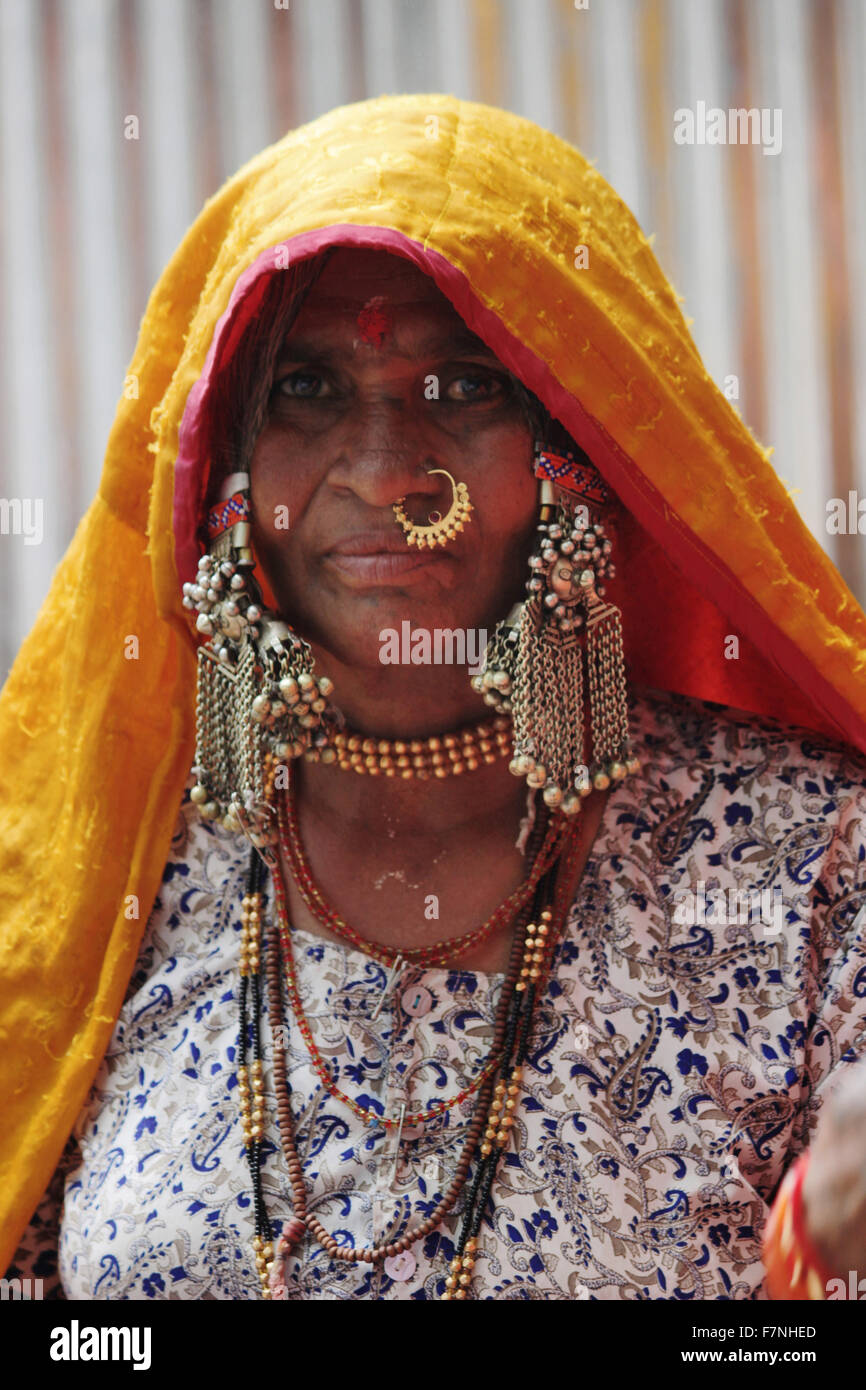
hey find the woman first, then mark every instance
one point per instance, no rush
(542, 1007)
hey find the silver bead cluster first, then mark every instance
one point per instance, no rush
(525, 763)
(226, 610)
(495, 682)
(570, 559)
(289, 709)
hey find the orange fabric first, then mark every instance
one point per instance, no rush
(795, 1270)
(98, 736)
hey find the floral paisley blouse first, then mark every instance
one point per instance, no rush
(710, 987)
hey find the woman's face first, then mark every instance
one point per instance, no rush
(378, 382)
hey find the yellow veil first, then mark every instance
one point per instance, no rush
(97, 731)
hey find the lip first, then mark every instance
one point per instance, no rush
(372, 543)
(377, 559)
(384, 569)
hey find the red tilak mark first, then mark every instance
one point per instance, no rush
(374, 322)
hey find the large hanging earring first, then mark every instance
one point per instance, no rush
(534, 664)
(441, 529)
(258, 701)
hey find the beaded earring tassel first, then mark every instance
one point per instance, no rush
(257, 694)
(534, 665)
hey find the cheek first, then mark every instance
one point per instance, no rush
(507, 493)
(279, 490)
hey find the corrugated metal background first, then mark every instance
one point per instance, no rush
(767, 250)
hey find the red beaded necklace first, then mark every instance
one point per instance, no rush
(369, 1117)
(441, 953)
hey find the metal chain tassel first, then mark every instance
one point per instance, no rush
(607, 688)
(547, 703)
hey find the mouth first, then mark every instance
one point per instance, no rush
(381, 559)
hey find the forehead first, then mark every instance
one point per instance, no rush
(351, 279)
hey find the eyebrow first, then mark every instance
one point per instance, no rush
(434, 344)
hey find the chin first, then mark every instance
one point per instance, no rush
(352, 628)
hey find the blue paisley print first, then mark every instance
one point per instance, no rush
(678, 1064)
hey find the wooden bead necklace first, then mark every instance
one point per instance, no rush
(441, 953)
(489, 1130)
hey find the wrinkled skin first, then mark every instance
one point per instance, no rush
(350, 432)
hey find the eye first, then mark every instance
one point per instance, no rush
(303, 385)
(475, 386)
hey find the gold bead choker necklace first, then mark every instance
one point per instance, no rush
(441, 755)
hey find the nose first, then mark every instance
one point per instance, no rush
(383, 455)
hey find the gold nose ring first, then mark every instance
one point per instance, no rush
(441, 529)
